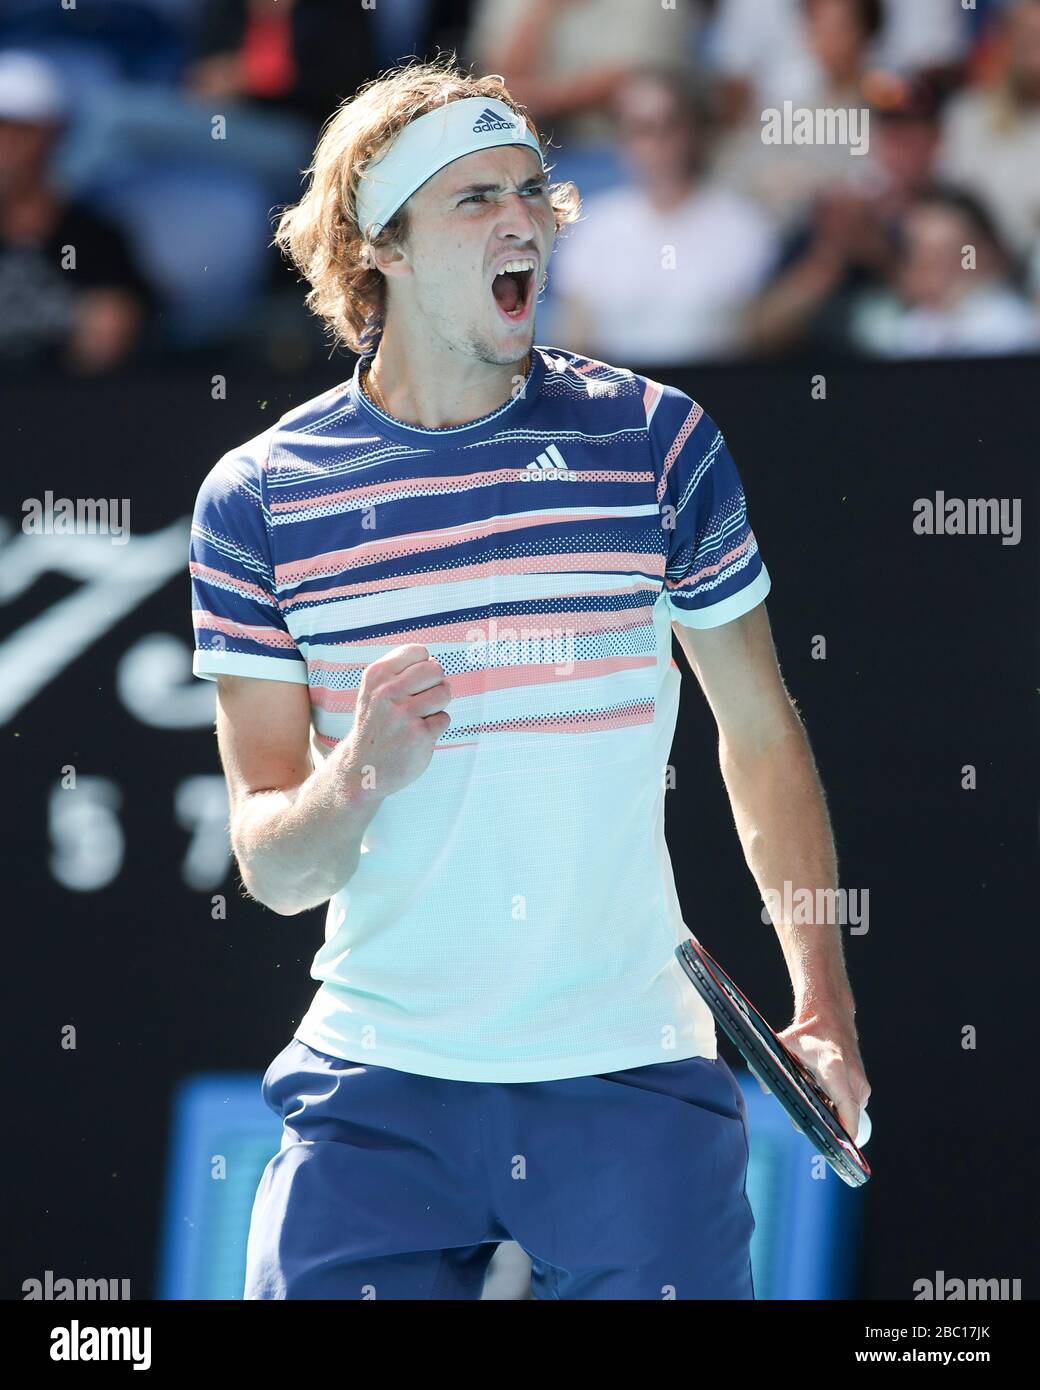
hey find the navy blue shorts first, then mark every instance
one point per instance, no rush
(628, 1185)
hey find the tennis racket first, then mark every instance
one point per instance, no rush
(774, 1064)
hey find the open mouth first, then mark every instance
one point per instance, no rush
(513, 289)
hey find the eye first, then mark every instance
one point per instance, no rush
(535, 192)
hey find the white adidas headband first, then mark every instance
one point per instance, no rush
(426, 145)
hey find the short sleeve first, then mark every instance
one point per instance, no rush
(713, 571)
(238, 622)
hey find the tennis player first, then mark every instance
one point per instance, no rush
(438, 602)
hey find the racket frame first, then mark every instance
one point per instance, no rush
(785, 1075)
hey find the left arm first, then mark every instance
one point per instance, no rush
(781, 818)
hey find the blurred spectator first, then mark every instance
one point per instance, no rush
(669, 262)
(194, 171)
(926, 37)
(70, 293)
(660, 270)
(991, 137)
(762, 52)
(786, 177)
(301, 56)
(848, 243)
(564, 58)
(420, 27)
(941, 304)
(103, 40)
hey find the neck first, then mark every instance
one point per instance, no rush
(428, 384)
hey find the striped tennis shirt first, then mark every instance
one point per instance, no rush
(513, 915)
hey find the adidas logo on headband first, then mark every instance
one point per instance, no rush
(429, 142)
(488, 121)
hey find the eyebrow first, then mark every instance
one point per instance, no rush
(496, 187)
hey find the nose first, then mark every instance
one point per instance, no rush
(516, 217)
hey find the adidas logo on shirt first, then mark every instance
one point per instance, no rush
(490, 120)
(549, 467)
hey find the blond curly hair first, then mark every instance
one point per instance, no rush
(320, 234)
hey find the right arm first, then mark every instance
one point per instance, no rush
(296, 830)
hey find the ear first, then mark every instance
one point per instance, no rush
(391, 260)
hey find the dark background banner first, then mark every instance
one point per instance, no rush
(930, 668)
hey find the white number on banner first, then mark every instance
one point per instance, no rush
(201, 806)
(87, 841)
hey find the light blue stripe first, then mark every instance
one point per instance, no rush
(735, 606)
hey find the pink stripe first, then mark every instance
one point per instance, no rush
(615, 719)
(585, 624)
(266, 636)
(500, 678)
(438, 485)
(595, 721)
(619, 560)
(240, 586)
(327, 741)
(688, 426)
(421, 542)
(651, 396)
(692, 579)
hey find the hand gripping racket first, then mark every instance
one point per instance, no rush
(774, 1064)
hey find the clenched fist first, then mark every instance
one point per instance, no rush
(399, 716)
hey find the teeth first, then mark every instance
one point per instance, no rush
(510, 266)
